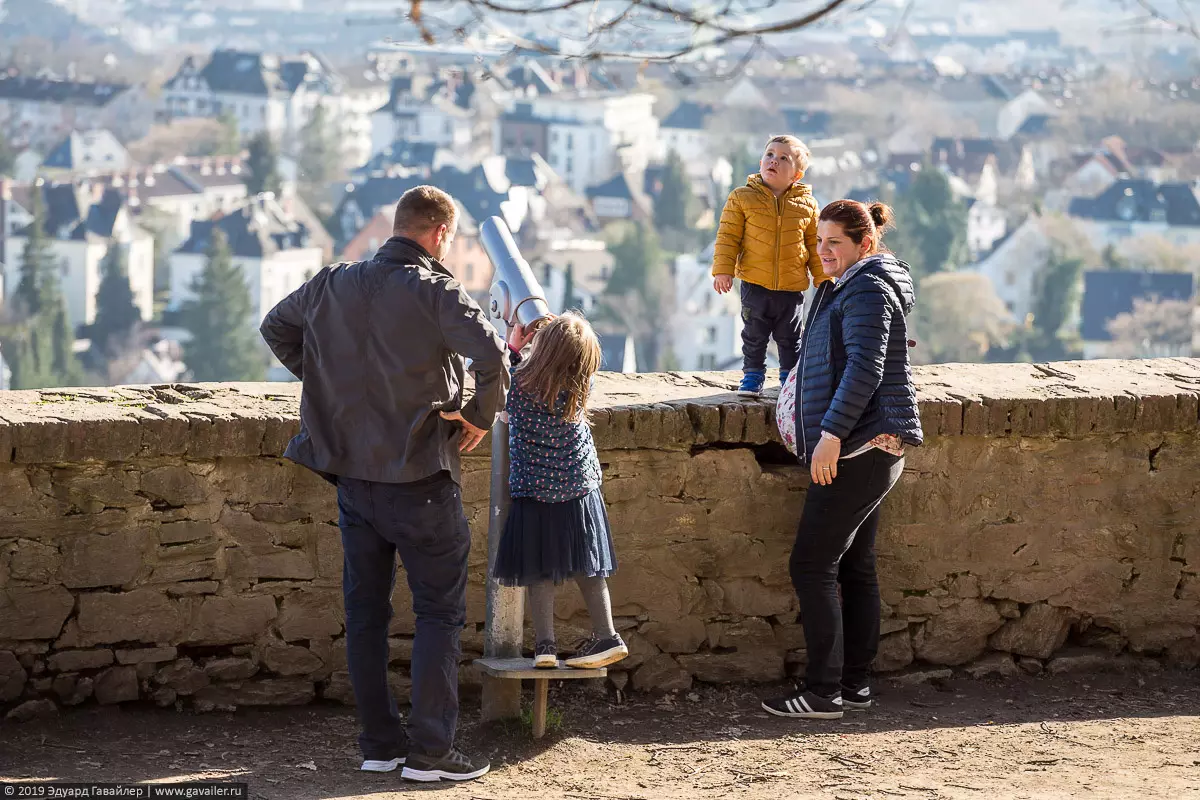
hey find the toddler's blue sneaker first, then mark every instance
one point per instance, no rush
(752, 384)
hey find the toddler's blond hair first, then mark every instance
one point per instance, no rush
(800, 151)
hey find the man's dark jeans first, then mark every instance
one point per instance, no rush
(767, 314)
(425, 524)
(836, 544)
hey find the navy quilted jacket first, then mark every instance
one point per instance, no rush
(855, 380)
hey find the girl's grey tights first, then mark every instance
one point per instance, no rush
(595, 595)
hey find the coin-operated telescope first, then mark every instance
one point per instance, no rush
(516, 294)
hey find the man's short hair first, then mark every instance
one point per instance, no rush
(423, 208)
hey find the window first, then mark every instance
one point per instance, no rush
(570, 141)
(707, 362)
(710, 335)
(449, 127)
(570, 165)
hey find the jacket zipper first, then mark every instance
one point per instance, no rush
(800, 380)
(778, 239)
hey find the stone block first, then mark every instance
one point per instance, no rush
(921, 676)
(751, 597)
(164, 696)
(184, 532)
(268, 692)
(1038, 632)
(143, 615)
(31, 710)
(91, 562)
(174, 486)
(1000, 664)
(965, 586)
(192, 588)
(748, 665)
(230, 669)
(957, 634)
(661, 673)
(895, 653)
(232, 620)
(400, 650)
(183, 676)
(338, 688)
(116, 685)
(315, 614)
(789, 636)
(12, 677)
(33, 612)
(1078, 660)
(1157, 638)
(685, 635)
(283, 659)
(72, 689)
(35, 562)
(146, 655)
(1182, 653)
(77, 660)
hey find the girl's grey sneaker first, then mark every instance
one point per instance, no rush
(806, 705)
(545, 656)
(857, 699)
(595, 653)
(454, 766)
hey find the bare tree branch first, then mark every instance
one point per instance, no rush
(616, 33)
(1154, 18)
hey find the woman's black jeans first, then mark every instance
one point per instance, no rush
(836, 545)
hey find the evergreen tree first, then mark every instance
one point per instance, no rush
(637, 261)
(931, 225)
(262, 166)
(1056, 296)
(676, 204)
(570, 301)
(320, 158)
(39, 343)
(639, 293)
(8, 156)
(744, 165)
(229, 143)
(224, 345)
(116, 314)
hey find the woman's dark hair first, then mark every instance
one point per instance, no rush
(859, 220)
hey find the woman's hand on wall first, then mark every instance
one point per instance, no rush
(825, 460)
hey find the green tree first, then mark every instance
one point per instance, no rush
(117, 316)
(570, 301)
(320, 158)
(223, 345)
(1056, 298)
(931, 225)
(38, 342)
(639, 292)
(229, 142)
(262, 165)
(675, 208)
(8, 156)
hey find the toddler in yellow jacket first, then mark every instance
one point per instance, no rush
(768, 239)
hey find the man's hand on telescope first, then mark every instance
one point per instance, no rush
(471, 436)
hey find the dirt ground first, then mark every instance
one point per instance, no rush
(1116, 736)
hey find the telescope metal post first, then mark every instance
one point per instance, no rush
(505, 625)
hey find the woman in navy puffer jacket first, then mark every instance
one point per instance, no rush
(856, 409)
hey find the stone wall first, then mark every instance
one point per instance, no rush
(153, 544)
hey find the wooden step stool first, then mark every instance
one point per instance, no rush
(522, 669)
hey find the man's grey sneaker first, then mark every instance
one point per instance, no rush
(545, 656)
(752, 384)
(375, 765)
(857, 699)
(454, 766)
(806, 705)
(594, 653)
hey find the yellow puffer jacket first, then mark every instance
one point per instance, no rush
(769, 241)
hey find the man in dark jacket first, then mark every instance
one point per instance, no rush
(379, 346)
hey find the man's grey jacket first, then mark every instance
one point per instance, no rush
(379, 346)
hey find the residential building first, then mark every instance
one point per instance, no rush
(83, 222)
(41, 110)
(707, 332)
(589, 263)
(618, 352)
(264, 92)
(85, 151)
(1109, 293)
(1136, 207)
(274, 251)
(621, 197)
(423, 111)
(684, 132)
(586, 137)
(1015, 262)
(984, 163)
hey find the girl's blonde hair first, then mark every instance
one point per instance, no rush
(565, 356)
